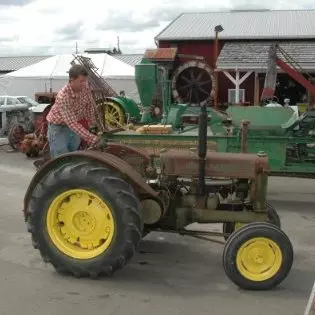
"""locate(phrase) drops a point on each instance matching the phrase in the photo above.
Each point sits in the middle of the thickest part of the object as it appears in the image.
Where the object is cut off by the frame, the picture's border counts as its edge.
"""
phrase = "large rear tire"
(85, 220)
(258, 256)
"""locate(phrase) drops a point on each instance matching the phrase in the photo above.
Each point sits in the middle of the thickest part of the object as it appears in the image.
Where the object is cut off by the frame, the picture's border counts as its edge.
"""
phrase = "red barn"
(243, 47)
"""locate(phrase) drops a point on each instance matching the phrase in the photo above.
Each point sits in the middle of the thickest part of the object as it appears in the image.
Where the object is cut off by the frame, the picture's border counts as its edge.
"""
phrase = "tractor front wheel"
(258, 256)
(85, 220)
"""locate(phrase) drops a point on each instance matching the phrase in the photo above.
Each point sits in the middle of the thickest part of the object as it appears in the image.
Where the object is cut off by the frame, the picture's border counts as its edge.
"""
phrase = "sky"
(45, 27)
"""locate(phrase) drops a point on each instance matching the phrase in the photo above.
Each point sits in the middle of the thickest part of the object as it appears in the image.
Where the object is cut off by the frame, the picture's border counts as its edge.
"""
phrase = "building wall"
(200, 48)
(206, 49)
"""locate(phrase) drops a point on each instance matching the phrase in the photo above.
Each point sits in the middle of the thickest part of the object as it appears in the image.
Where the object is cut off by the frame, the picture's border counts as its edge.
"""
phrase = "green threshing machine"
(288, 139)
(88, 210)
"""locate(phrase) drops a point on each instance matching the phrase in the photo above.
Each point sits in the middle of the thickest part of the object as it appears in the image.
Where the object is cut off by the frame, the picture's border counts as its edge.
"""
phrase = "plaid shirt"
(70, 108)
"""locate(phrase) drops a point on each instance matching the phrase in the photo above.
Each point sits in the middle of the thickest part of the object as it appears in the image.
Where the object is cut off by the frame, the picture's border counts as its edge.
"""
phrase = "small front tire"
(258, 256)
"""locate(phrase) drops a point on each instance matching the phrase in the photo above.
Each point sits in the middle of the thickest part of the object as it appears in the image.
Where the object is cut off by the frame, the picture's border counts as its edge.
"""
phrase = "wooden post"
(256, 89)
(237, 86)
(310, 97)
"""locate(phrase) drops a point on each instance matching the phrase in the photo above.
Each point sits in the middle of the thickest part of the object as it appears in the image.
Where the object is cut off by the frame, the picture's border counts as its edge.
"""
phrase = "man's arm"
(70, 120)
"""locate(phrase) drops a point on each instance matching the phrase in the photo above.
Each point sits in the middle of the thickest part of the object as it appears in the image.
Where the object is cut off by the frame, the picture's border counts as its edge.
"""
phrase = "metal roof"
(130, 59)
(254, 55)
(264, 24)
(126, 85)
(13, 63)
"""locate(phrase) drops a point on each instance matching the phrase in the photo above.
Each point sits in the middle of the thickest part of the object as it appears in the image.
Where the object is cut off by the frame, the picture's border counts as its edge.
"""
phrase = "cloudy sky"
(54, 26)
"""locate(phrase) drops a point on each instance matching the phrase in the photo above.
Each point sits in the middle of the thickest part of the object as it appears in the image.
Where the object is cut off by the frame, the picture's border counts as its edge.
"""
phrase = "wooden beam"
(237, 86)
(241, 80)
(245, 76)
(228, 75)
(237, 81)
(256, 89)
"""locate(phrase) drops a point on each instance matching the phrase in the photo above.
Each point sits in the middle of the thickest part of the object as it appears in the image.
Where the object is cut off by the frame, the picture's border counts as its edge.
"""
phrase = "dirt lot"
(173, 274)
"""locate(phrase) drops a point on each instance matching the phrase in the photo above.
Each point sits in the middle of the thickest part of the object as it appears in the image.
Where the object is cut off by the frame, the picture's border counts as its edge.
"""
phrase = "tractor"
(87, 211)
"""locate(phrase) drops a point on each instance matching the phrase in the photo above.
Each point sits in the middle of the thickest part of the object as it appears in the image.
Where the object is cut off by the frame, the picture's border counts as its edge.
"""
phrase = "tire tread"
(127, 203)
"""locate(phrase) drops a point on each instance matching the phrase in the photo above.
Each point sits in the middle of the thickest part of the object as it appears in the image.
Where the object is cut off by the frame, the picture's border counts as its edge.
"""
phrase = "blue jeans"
(62, 140)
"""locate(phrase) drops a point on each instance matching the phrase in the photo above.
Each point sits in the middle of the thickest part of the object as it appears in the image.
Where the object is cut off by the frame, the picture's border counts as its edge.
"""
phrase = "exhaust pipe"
(202, 148)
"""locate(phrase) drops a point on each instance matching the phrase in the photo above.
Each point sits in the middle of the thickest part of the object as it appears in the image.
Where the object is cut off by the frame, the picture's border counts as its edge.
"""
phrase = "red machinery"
(291, 67)
(36, 143)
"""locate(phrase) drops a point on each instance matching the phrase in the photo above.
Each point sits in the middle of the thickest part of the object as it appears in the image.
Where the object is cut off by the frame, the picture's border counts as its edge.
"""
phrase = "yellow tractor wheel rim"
(259, 259)
(114, 114)
(80, 224)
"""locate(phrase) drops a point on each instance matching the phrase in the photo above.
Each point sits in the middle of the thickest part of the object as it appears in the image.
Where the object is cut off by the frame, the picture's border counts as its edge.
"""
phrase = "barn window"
(231, 96)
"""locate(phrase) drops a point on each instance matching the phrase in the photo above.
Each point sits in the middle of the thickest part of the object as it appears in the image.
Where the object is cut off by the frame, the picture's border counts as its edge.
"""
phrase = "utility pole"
(118, 45)
(76, 47)
(218, 29)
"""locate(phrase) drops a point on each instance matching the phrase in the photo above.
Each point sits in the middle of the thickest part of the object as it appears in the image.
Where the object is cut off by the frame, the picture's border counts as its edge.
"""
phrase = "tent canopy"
(57, 67)
(51, 74)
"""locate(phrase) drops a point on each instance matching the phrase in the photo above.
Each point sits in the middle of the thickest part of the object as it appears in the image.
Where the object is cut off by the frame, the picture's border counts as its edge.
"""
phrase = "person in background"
(74, 103)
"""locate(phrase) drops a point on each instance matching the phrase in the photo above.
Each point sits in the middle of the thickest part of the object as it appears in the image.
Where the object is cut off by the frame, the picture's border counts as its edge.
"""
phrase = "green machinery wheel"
(85, 220)
(258, 256)
(273, 218)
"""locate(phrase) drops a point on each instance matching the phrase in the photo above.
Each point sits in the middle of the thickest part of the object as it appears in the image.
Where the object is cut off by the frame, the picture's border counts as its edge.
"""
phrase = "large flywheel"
(193, 83)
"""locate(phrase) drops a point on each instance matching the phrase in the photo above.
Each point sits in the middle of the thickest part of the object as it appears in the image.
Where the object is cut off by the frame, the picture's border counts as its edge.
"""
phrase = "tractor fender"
(127, 172)
(129, 106)
(137, 158)
(120, 149)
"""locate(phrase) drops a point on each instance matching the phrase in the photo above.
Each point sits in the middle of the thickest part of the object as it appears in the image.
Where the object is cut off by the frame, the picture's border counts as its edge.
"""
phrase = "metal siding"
(254, 55)
(242, 25)
(130, 59)
(17, 62)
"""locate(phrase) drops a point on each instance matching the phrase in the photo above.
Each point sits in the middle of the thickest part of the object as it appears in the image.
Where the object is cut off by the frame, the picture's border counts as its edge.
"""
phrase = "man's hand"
(93, 129)
(100, 142)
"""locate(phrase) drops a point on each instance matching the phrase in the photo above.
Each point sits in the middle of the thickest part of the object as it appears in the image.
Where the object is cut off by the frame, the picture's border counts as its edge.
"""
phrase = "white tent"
(52, 74)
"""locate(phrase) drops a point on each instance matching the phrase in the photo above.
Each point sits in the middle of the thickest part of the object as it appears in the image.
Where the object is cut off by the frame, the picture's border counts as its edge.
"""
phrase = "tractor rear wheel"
(258, 256)
(273, 218)
(85, 220)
